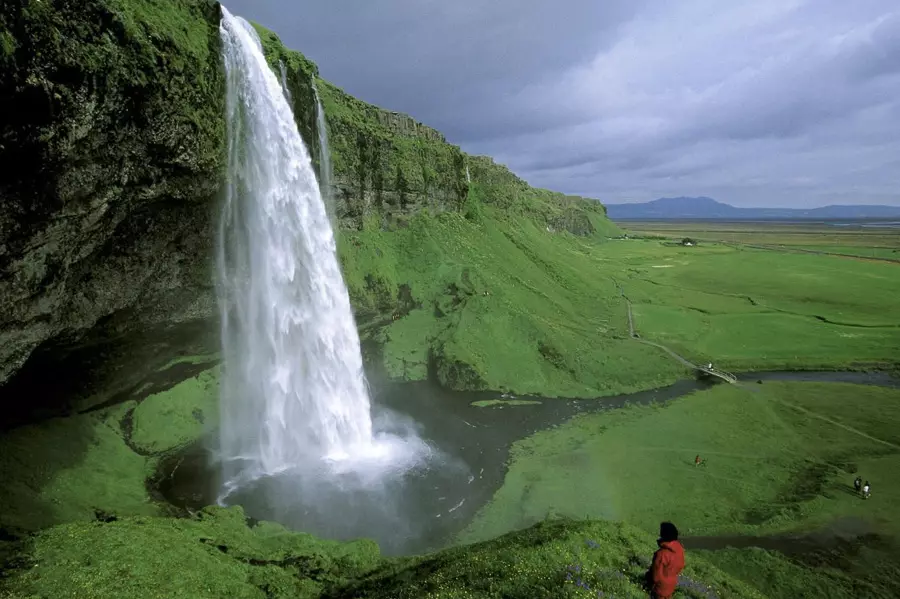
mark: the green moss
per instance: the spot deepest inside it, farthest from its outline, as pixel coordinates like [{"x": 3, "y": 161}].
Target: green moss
[
  {"x": 172, "y": 419},
  {"x": 66, "y": 468},
  {"x": 7, "y": 44},
  {"x": 120, "y": 93}
]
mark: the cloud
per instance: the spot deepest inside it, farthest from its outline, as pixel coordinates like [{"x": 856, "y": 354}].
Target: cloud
[{"x": 765, "y": 102}]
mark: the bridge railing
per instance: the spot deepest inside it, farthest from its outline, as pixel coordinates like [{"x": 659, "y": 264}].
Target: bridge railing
[{"x": 720, "y": 373}]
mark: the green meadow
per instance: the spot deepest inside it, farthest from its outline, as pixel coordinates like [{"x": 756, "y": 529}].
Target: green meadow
[
  {"x": 502, "y": 304},
  {"x": 779, "y": 457}
]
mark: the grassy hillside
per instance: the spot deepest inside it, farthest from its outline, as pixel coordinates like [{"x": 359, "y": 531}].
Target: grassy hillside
[
  {"x": 498, "y": 303},
  {"x": 146, "y": 557}
]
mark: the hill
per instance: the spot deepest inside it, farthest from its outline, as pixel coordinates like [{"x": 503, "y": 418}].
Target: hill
[
  {"x": 701, "y": 208},
  {"x": 228, "y": 558},
  {"x": 108, "y": 228}
]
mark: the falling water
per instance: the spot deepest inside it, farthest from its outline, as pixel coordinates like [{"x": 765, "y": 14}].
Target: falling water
[
  {"x": 284, "y": 83},
  {"x": 468, "y": 176},
  {"x": 293, "y": 384},
  {"x": 324, "y": 159},
  {"x": 298, "y": 440}
]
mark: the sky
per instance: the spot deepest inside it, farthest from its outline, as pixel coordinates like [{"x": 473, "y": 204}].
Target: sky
[{"x": 755, "y": 103}]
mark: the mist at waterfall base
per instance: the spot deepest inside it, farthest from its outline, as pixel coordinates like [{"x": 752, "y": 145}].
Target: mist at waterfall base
[{"x": 298, "y": 443}]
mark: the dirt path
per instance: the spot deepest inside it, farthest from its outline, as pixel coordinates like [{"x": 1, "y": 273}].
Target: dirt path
[{"x": 684, "y": 361}]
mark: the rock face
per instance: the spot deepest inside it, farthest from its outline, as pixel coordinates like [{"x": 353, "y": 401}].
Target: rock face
[
  {"x": 113, "y": 120},
  {"x": 112, "y": 116},
  {"x": 385, "y": 163}
]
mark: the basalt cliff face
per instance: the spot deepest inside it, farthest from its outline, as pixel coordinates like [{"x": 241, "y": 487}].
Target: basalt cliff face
[{"x": 112, "y": 139}]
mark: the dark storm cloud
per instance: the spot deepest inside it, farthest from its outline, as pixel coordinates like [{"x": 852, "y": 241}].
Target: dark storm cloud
[{"x": 754, "y": 102}]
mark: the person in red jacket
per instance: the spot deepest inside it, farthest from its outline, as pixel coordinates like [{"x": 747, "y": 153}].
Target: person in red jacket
[{"x": 668, "y": 562}]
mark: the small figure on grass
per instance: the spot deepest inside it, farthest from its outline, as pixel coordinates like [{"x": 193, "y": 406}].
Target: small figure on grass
[
  {"x": 857, "y": 484},
  {"x": 668, "y": 562},
  {"x": 866, "y": 490},
  {"x": 698, "y": 461}
]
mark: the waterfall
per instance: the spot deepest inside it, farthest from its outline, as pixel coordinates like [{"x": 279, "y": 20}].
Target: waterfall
[
  {"x": 324, "y": 159},
  {"x": 468, "y": 176},
  {"x": 293, "y": 387},
  {"x": 284, "y": 84}
]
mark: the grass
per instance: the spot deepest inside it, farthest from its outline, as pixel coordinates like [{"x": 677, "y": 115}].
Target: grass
[
  {"x": 776, "y": 234},
  {"x": 145, "y": 557},
  {"x": 780, "y": 457},
  {"x": 547, "y": 319},
  {"x": 780, "y": 578},
  {"x": 531, "y": 323},
  {"x": 174, "y": 418},
  {"x": 64, "y": 469},
  {"x": 212, "y": 555},
  {"x": 730, "y": 306}
]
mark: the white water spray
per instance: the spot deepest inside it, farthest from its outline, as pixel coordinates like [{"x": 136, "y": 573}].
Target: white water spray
[{"x": 293, "y": 387}]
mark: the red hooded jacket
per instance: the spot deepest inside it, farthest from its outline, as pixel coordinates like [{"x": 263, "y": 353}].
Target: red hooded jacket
[{"x": 668, "y": 562}]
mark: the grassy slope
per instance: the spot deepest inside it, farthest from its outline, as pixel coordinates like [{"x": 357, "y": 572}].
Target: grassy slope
[
  {"x": 501, "y": 304},
  {"x": 171, "y": 419},
  {"x": 781, "y": 457},
  {"x": 64, "y": 469},
  {"x": 553, "y": 324},
  {"x": 61, "y": 470},
  {"x": 145, "y": 557}
]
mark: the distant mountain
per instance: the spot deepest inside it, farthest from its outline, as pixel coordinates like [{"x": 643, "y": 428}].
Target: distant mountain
[{"x": 708, "y": 208}]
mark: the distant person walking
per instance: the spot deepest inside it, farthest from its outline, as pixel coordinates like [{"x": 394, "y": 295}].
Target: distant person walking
[
  {"x": 866, "y": 490},
  {"x": 857, "y": 484},
  {"x": 697, "y": 460},
  {"x": 668, "y": 562}
]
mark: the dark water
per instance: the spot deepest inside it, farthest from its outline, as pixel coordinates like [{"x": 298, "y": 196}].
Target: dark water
[{"x": 423, "y": 509}]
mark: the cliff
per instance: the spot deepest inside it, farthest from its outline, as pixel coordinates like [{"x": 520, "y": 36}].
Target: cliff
[{"x": 113, "y": 115}]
